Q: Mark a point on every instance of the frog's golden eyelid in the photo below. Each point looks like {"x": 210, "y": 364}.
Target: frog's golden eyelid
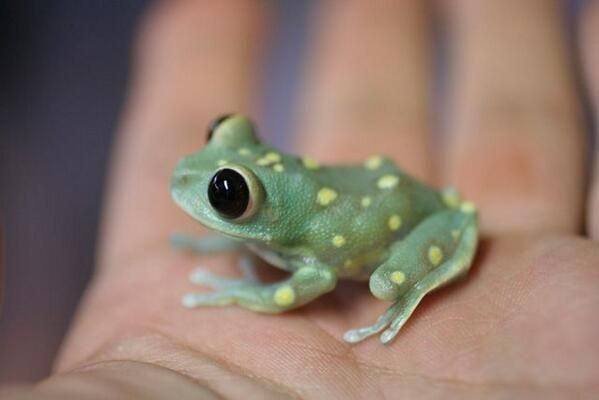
{"x": 254, "y": 186}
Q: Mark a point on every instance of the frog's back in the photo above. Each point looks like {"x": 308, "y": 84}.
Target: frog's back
{"x": 362, "y": 209}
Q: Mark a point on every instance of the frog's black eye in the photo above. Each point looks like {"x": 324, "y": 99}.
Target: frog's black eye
{"x": 228, "y": 193}
{"x": 215, "y": 123}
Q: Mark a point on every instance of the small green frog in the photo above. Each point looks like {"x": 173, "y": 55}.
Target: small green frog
{"x": 321, "y": 223}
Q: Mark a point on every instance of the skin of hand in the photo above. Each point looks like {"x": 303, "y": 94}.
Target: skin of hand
{"x": 525, "y": 322}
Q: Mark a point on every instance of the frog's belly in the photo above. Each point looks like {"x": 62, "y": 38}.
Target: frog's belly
{"x": 271, "y": 257}
{"x": 358, "y": 272}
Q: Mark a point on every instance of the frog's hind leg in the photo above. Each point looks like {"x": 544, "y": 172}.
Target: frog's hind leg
{"x": 437, "y": 252}
{"x": 204, "y": 245}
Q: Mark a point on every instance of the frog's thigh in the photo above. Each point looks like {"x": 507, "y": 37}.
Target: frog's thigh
{"x": 304, "y": 285}
{"x": 435, "y": 253}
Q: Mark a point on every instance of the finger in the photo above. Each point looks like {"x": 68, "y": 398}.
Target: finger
{"x": 196, "y": 60}
{"x": 367, "y": 85}
{"x": 590, "y": 54}
{"x": 517, "y": 138}
{"x": 1, "y": 269}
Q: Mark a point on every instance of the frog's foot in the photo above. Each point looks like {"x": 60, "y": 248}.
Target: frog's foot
{"x": 217, "y": 298}
{"x": 448, "y": 241}
{"x": 359, "y": 334}
{"x": 393, "y": 319}
{"x": 226, "y": 289}
{"x": 201, "y": 276}
{"x": 304, "y": 285}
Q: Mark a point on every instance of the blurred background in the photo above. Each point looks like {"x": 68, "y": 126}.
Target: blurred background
{"x": 64, "y": 67}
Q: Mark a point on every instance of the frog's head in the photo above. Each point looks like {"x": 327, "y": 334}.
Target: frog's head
{"x": 241, "y": 188}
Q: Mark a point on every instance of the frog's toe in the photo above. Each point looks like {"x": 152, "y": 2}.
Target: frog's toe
{"x": 201, "y": 276}
{"x": 391, "y": 332}
{"x": 388, "y": 335}
{"x": 358, "y": 334}
{"x": 191, "y": 300}
{"x": 247, "y": 268}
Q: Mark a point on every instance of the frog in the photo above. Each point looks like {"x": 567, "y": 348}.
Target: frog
{"x": 367, "y": 221}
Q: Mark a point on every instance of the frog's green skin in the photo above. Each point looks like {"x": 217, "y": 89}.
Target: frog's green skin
{"x": 324, "y": 223}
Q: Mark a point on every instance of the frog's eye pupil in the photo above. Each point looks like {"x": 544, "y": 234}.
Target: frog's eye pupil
{"x": 228, "y": 193}
{"x": 215, "y": 123}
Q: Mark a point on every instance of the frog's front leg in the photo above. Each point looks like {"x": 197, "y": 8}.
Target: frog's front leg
{"x": 207, "y": 244}
{"x": 435, "y": 253}
{"x": 304, "y": 285}
{"x": 201, "y": 276}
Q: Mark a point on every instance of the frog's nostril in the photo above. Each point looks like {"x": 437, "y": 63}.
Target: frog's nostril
{"x": 181, "y": 178}
{"x": 184, "y": 179}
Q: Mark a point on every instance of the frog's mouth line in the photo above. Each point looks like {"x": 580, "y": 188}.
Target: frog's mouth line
{"x": 221, "y": 229}
{"x": 261, "y": 238}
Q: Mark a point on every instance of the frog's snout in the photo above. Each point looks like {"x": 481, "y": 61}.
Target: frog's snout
{"x": 382, "y": 287}
{"x": 182, "y": 185}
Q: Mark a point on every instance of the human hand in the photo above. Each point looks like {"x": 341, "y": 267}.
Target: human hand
{"x": 525, "y": 322}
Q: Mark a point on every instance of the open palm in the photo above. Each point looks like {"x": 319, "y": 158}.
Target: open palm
{"x": 524, "y": 323}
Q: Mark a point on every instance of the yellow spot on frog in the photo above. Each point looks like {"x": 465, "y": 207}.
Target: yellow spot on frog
{"x": 244, "y": 151}
{"x": 220, "y": 163}
{"x": 278, "y": 167}
{"x": 468, "y": 207}
{"x": 366, "y": 201}
{"x": 350, "y": 265}
{"x": 394, "y": 222}
{"x": 310, "y": 163}
{"x": 284, "y": 296}
{"x": 269, "y": 158}
{"x": 435, "y": 255}
{"x": 397, "y": 277}
{"x": 450, "y": 198}
{"x": 387, "y": 182}
{"x": 455, "y": 234}
{"x": 273, "y": 156}
{"x": 326, "y": 196}
{"x": 338, "y": 241}
{"x": 373, "y": 162}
